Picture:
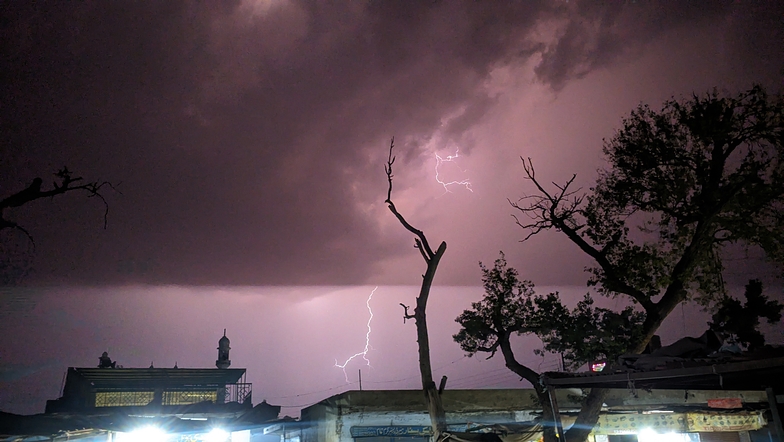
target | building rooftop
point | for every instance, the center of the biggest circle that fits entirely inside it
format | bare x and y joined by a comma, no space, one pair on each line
754,374
158,377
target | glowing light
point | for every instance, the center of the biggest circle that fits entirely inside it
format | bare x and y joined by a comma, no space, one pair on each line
649,435
598,366
144,434
450,159
217,435
368,347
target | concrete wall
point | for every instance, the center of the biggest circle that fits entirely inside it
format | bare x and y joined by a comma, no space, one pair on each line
331,420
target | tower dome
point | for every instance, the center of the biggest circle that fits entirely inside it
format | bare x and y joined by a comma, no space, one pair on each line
223,352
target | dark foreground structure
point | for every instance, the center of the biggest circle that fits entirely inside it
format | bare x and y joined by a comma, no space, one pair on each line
653,398
112,403
761,373
723,398
91,389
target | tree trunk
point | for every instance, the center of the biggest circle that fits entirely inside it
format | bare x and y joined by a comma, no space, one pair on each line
432,398
548,416
588,416
434,405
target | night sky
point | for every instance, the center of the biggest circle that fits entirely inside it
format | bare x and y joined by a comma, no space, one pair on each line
247,139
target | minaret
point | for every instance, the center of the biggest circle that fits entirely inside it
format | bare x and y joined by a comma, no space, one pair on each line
223,352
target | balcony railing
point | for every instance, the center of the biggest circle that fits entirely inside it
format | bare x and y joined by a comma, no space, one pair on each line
239,392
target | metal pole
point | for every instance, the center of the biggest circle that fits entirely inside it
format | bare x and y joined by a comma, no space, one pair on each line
774,410
360,379
556,413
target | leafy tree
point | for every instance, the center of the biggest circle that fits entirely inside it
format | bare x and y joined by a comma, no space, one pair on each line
586,333
682,183
739,322
432,258
510,306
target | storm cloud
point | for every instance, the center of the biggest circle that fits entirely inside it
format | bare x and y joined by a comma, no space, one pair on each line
247,138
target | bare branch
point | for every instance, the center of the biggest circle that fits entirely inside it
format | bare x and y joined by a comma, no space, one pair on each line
421,242
432,394
405,313
559,211
493,349
11,225
418,246
545,209
64,183
388,170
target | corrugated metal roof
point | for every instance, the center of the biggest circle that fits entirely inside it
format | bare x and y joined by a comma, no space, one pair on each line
756,374
139,377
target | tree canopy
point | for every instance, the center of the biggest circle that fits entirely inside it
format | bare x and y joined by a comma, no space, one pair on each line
681,184
510,306
739,322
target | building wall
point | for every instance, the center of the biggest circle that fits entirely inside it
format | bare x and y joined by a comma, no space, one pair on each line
337,427
332,419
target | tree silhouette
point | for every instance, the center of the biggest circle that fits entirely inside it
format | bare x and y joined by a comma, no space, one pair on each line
15,263
682,184
432,395
739,322
510,306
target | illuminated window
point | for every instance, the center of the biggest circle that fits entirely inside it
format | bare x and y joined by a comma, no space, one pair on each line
123,398
188,397
598,366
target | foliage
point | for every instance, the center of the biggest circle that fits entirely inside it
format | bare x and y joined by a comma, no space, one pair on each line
681,184
699,175
507,307
510,305
587,333
739,322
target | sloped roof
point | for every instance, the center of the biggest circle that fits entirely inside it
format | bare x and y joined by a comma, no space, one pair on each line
755,374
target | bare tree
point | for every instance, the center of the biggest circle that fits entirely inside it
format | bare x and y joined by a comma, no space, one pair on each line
15,262
432,395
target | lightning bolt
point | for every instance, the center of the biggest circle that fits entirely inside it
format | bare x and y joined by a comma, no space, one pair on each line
450,159
368,347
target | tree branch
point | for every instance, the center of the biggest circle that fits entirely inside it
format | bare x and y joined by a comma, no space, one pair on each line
64,184
491,349
548,211
421,242
405,313
433,398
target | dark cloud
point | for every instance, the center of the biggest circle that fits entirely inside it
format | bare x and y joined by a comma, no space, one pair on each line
596,35
249,136
236,147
